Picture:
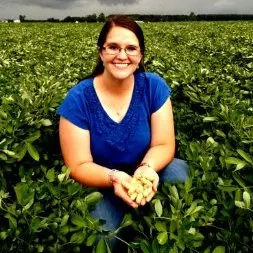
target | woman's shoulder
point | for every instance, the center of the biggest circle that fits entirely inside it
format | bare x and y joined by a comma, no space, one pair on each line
82,85
150,76
151,79
156,89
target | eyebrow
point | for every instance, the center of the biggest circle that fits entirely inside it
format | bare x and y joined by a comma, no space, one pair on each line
115,43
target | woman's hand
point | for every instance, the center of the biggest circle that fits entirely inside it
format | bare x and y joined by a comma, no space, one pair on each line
148,172
119,179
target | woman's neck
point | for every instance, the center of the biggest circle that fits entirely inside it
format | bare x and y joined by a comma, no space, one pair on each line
116,86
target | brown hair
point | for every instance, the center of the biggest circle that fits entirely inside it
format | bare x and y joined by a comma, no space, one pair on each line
125,22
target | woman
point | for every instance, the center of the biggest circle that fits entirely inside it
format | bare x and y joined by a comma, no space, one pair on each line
118,122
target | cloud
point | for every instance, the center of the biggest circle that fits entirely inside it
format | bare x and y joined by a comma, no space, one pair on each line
118,2
55,4
65,4
223,3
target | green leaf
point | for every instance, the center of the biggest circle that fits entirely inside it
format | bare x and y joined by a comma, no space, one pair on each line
238,162
64,220
238,195
73,189
207,250
162,238
3,195
188,184
53,189
78,237
174,249
213,201
3,157
158,207
32,151
33,137
174,192
108,247
219,249
240,204
93,198
50,175
3,115
192,231
209,119
144,247
239,180
3,141
245,156
127,221
91,239
36,224
3,235
21,153
197,209
28,205
246,199
64,230
191,208
220,133
101,246
161,226
61,177
233,160
227,188
78,221
240,166
46,122
12,221
173,226
24,193
155,246
8,152
211,141
40,248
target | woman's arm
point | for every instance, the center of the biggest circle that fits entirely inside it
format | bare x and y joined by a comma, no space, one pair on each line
162,148
75,146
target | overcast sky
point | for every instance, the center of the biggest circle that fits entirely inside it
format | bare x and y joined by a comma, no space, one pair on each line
43,9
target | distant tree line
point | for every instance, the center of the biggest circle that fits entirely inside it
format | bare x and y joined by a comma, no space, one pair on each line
150,18
192,17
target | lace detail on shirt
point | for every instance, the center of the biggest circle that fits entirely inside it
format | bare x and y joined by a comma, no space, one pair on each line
116,134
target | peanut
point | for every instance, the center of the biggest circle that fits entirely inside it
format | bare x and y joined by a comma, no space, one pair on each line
139,198
140,187
133,195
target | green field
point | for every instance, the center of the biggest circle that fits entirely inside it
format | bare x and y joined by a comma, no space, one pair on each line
209,66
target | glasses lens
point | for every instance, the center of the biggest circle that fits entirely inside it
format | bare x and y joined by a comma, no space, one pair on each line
112,49
132,50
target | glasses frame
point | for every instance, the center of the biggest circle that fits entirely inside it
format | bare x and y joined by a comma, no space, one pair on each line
121,48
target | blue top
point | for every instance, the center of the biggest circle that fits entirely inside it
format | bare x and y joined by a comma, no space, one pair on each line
117,145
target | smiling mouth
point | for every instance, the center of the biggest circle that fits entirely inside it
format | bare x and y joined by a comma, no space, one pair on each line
121,65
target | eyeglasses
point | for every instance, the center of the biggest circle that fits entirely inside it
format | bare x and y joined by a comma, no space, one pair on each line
115,49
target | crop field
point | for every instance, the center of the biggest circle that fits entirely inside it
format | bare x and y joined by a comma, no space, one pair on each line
209,66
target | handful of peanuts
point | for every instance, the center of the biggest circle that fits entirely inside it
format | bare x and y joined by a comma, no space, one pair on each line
140,187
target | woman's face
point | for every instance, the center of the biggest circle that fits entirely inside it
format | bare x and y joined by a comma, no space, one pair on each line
120,65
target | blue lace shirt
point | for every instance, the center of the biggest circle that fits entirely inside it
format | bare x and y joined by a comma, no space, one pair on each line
117,145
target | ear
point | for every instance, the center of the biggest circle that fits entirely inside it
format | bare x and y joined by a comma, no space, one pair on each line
101,55
141,57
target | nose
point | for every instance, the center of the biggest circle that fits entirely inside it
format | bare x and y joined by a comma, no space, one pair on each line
122,54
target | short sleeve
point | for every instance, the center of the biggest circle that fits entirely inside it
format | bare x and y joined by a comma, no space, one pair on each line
74,108
160,92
